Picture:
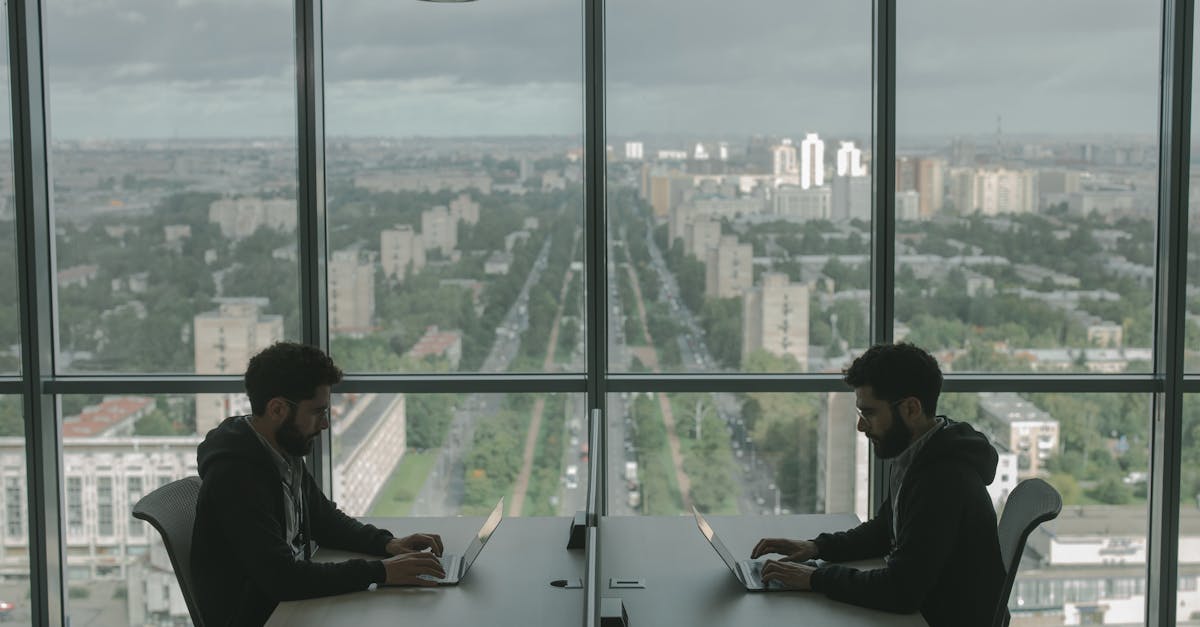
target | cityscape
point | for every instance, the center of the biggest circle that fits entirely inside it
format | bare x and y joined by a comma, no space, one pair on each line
1012,255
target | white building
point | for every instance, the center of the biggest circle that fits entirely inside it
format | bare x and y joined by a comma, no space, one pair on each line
812,161
240,217
849,160
401,249
1027,430
798,204
634,151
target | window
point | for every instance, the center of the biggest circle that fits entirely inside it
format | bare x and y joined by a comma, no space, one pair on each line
738,199
75,506
454,186
451,454
174,183
1034,177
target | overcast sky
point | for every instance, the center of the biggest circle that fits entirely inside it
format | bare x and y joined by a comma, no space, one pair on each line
224,68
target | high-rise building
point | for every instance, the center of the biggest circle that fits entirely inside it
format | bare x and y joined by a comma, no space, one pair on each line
802,205
438,230
775,318
849,160
240,217
850,198
225,340
843,459
908,205
926,176
728,268
699,235
783,159
993,191
351,292
463,209
1026,429
634,151
401,249
812,161
931,186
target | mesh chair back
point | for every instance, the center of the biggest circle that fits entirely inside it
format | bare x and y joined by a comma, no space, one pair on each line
171,509
1031,503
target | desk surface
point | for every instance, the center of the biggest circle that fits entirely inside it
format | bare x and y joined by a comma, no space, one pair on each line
509,584
688,584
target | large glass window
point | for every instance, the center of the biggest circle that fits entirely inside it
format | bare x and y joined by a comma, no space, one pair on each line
1026,180
115,450
174,170
14,547
1089,564
10,327
750,454
457,454
454,185
739,194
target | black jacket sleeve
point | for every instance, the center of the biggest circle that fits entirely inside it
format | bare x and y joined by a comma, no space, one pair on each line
333,529
927,533
870,539
246,516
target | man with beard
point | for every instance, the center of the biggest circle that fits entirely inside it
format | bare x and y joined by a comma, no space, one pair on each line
936,529
259,509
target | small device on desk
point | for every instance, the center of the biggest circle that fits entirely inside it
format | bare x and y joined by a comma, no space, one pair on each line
748,572
456,567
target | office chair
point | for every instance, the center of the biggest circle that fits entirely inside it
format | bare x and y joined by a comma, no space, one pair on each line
1031,503
171,509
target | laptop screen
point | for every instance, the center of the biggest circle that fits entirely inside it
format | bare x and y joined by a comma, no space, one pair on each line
716,543
481,538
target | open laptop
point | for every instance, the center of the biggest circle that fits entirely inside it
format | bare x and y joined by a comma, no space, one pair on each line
456,566
748,572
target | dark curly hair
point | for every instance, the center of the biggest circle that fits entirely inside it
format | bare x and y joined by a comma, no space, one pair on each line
898,371
293,371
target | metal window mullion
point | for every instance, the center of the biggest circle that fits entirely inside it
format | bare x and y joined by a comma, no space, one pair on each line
310,199
883,191
595,219
35,250
1170,323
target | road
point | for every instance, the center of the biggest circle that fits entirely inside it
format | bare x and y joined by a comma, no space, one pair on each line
442,492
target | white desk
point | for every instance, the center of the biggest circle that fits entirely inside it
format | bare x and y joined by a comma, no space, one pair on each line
509,584
688,584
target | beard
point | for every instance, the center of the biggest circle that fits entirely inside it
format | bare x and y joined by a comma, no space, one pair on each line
894,440
291,439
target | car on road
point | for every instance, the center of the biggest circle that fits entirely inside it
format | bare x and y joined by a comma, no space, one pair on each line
572,477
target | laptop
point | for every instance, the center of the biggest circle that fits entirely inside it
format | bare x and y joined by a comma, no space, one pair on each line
748,572
456,566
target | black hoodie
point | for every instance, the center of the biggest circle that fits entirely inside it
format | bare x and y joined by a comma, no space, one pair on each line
242,564
946,560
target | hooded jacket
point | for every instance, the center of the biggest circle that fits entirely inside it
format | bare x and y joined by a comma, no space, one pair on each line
242,564
944,558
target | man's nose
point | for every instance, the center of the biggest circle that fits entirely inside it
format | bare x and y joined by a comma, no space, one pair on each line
861,425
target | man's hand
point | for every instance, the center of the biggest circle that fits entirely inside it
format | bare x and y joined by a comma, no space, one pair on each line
403,569
414,543
792,576
795,550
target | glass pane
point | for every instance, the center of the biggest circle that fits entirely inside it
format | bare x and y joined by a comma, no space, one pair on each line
1192,322
1188,612
739,195
14,550
1088,566
730,453
455,191
117,449
10,325
1026,183
173,150
457,454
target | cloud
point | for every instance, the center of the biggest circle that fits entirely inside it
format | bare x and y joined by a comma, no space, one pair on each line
702,66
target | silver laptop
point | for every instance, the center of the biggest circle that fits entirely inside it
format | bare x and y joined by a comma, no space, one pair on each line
748,572
456,566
